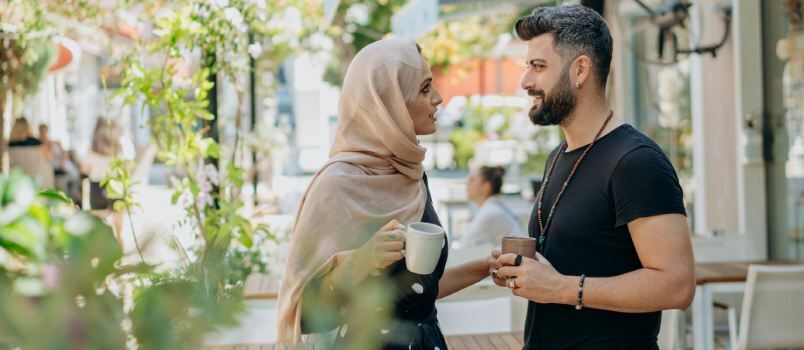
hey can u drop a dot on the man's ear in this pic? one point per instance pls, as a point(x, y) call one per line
point(581, 71)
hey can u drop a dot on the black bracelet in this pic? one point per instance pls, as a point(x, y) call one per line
point(579, 305)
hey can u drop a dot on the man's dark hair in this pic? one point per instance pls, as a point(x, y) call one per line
point(494, 175)
point(577, 30)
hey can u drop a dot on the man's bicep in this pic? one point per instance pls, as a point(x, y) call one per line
point(644, 184)
point(663, 242)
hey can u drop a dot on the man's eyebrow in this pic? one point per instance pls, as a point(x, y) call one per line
point(536, 60)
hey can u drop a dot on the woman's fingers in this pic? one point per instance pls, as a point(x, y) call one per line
point(391, 225)
point(494, 264)
point(394, 235)
point(392, 256)
point(392, 246)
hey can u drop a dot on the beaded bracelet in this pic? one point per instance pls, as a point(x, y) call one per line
point(579, 305)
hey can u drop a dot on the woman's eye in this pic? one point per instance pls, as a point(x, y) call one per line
point(426, 90)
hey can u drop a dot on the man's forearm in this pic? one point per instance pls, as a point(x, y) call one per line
point(643, 290)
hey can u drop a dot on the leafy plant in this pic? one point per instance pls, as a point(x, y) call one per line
point(55, 265)
point(97, 303)
point(480, 123)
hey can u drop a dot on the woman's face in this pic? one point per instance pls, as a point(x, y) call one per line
point(477, 187)
point(422, 109)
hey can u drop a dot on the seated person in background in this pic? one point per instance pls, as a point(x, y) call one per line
point(106, 145)
point(62, 164)
point(22, 135)
point(493, 220)
point(25, 152)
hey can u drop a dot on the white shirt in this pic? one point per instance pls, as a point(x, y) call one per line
point(96, 165)
point(492, 221)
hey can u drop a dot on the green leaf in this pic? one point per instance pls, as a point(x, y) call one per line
point(119, 205)
point(19, 196)
point(116, 188)
point(175, 197)
point(245, 240)
point(210, 148)
point(55, 196)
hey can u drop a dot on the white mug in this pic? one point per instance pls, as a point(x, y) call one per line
point(423, 243)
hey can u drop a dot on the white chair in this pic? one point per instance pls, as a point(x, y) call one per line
point(773, 309)
point(671, 333)
point(32, 162)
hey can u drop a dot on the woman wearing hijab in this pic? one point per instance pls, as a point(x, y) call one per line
point(346, 234)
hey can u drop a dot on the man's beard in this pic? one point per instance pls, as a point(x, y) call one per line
point(556, 107)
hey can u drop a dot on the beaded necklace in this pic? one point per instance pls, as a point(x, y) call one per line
point(544, 226)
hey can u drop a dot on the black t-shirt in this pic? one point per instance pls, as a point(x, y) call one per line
point(30, 141)
point(625, 176)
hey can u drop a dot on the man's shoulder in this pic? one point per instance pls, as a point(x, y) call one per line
point(629, 138)
point(630, 142)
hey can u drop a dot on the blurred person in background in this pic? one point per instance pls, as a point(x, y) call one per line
point(22, 135)
point(62, 163)
point(107, 144)
point(493, 220)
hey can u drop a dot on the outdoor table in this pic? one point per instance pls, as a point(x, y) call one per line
point(261, 286)
point(717, 278)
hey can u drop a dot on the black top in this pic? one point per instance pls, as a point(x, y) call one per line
point(625, 176)
point(414, 324)
point(30, 141)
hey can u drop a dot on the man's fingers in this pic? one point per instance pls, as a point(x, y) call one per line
point(507, 259)
point(496, 252)
point(509, 271)
point(542, 259)
point(510, 259)
point(499, 281)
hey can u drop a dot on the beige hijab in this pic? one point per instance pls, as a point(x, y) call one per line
point(374, 173)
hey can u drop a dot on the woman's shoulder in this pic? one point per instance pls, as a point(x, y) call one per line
point(341, 168)
point(336, 175)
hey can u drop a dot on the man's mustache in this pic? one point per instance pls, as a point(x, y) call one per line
point(536, 93)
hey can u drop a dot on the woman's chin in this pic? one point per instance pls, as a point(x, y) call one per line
point(428, 131)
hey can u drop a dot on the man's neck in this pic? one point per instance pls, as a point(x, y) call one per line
point(586, 120)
